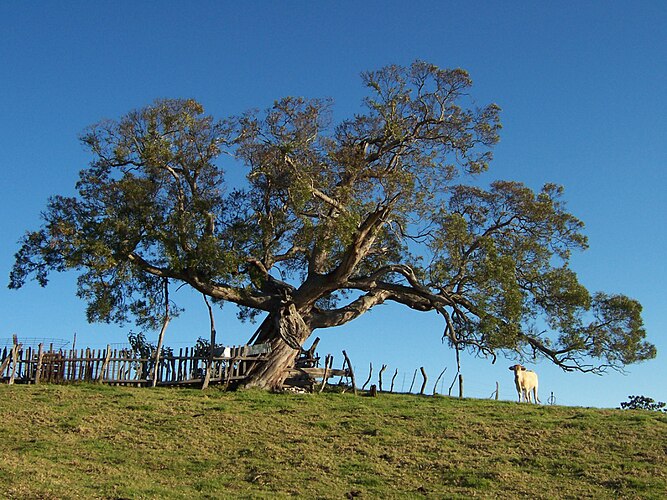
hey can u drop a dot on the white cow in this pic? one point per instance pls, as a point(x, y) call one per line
point(526, 381)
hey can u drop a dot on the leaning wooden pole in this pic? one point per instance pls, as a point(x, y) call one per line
point(391, 389)
point(160, 338)
point(435, 386)
point(425, 380)
point(414, 376)
point(328, 364)
point(349, 367)
point(209, 360)
point(15, 361)
point(370, 373)
point(458, 371)
point(5, 362)
point(384, 367)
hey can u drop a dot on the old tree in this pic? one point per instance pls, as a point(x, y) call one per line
point(330, 222)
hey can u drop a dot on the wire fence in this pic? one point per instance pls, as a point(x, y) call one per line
point(50, 343)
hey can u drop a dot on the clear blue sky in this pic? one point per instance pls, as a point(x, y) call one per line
point(582, 86)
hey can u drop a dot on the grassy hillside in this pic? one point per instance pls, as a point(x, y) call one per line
point(111, 442)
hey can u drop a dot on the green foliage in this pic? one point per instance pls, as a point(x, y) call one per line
point(335, 218)
point(643, 403)
point(143, 348)
point(203, 346)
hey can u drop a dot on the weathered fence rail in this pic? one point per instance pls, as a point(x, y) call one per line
point(120, 366)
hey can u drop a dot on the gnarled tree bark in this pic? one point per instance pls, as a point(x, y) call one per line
point(285, 332)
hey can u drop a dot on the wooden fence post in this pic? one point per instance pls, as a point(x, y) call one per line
point(38, 368)
point(349, 367)
point(328, 363)
point(425, 380)
point(414, 376)
point(15, 361)
point(6, 360)
point(370, 373)
point(105, 364)
point(88, 363)
point(435, 386)
point(391, 389)
point(384, 367)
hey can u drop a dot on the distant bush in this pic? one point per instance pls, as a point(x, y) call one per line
point(142, 348)
point(202, 347)
point(643, 403)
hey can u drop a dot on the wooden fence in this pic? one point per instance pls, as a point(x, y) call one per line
point(122, 367)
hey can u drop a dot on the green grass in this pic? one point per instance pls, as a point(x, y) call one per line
point(86, 441)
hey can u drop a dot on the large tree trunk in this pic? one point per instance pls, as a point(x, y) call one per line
point(285, 331)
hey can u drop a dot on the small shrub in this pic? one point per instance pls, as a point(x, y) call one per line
point(643, 403)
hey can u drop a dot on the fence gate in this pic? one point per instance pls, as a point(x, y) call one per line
point(53, 368)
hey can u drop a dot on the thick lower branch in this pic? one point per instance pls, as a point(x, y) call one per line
point(264, 302)
point(338, 317)
point(416, 298)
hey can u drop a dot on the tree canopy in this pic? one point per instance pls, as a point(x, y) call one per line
point(333, 219)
